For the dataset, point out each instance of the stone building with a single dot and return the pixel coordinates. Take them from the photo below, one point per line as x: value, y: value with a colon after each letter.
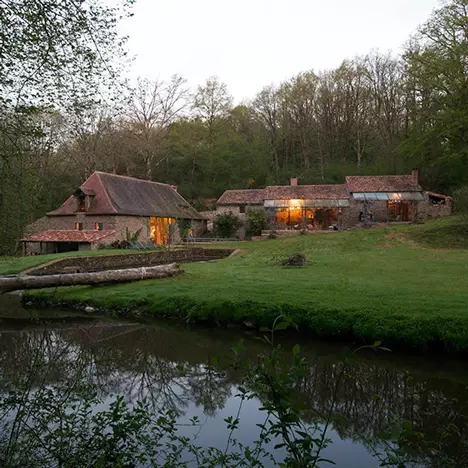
x: 361, y: 200
x: 437, y: 205
x: 105, y: 208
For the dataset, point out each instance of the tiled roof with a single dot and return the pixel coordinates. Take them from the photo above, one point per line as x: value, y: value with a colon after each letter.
x: 124, y: 195
x: 68, y: 236
x: 398, y: 183
x: 306, y: 192
x: 249, y: 196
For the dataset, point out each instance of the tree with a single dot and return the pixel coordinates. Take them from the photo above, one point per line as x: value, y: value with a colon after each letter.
x: 435, y: 60
x: 257, y: 221
x: 227, y: 224
x: 54, y: 50
x: 55, y: 54
x: 155, y: 105
x: 265, y: 105
x: 212, y: 105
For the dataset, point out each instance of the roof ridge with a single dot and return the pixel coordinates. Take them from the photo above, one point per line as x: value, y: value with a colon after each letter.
x: 306, y: 185
x: 243, y: 189
x: 134, y: 178
x: 382, y: 175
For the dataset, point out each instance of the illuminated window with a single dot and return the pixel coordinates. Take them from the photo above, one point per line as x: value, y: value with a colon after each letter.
x: 159, y: 229
x: 78, y: 226
x: 98, y: 226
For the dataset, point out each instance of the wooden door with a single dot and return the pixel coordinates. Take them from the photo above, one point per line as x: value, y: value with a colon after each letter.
x: 404, y: 211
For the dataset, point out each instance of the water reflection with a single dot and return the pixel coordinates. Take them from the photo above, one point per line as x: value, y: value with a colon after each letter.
x: 145, y: 362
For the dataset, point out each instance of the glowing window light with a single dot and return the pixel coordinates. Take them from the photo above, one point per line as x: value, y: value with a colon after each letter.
x: 295, y: 204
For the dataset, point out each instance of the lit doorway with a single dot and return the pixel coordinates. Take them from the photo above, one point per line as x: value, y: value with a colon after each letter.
x: 160, y: 230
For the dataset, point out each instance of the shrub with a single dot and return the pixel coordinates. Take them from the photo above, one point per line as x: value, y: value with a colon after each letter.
x: 227, y: 224
x: 460, y: 198
x: 257, y: 221
x: 130, y: 237
x: 185, y: 226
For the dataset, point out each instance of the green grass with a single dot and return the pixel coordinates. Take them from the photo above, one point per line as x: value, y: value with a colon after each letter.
x: 383, y: 283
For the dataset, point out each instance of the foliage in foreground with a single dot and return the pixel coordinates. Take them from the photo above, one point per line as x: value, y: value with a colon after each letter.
x: 74, y: 424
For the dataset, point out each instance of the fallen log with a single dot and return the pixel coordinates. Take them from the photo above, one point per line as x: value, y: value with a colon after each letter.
x: 14, y: 283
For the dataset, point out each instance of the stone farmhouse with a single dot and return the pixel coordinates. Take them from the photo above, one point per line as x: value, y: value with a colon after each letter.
x: 107, y: 206
x: 362, y: 199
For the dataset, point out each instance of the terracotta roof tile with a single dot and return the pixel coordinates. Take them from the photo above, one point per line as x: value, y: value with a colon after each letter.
x: 397, y: 183
x: 306, y: 192
x: 68, y: 236
x: 249, y: 196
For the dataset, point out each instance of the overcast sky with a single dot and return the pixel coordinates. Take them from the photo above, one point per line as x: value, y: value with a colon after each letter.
x: 251, y: 43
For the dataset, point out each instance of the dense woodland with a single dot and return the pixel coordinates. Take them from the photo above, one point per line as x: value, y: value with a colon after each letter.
x: 65, y: 111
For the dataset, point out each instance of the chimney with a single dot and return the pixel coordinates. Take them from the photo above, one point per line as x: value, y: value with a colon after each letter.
x: 293, y: 181
x: 414, y: 175
x: 174, y: 187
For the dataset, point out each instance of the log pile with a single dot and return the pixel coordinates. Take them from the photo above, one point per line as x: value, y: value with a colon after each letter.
x: 14, y: 283
x: 295, y: 260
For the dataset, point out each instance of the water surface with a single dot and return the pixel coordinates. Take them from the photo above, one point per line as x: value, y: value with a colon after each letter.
x: 143, y: 361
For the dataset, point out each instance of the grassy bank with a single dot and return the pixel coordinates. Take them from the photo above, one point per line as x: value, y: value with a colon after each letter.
x: 387, y: 283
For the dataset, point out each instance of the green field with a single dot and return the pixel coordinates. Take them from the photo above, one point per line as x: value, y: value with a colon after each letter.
x: 392, y: 284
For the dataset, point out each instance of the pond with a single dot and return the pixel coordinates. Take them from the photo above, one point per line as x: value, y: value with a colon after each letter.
x: 144, y: 361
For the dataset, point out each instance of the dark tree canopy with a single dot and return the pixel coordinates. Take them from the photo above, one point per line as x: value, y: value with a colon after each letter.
x: 374, y: 114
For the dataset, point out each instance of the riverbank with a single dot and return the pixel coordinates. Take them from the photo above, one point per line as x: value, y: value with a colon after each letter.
x: 387, y: 284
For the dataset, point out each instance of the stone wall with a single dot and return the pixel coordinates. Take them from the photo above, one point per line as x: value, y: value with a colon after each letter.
x: 122, y: 260
x: 356, y: 207
x: 109, y: 223
x: 199, y: 227
x: 419, y: 212
x: 439, y: 210
x: 379, y: 212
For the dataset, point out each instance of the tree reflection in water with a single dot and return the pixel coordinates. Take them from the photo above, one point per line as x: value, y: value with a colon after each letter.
x: 168, y: 368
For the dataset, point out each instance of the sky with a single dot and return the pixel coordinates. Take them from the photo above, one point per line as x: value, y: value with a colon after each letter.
x: 249, y: 44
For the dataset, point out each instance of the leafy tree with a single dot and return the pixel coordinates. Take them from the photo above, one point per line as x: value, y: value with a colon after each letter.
x: 55, y: 54
x: 257, y: 221
x: 227, y: 224
x: 461, y: 202
x: 435, y: 60
x: 53, y: 49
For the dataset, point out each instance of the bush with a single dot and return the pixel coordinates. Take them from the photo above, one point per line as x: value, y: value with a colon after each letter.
x: 227, y: 224
x: 185, y: 226
x: 257, y: 221
x: 460, y: 199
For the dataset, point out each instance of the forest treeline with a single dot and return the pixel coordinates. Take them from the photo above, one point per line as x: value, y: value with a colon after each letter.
x: 376, y: 114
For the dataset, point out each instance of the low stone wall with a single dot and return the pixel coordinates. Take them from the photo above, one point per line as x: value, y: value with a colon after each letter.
x: 118, y: 261
x: 439, y: 210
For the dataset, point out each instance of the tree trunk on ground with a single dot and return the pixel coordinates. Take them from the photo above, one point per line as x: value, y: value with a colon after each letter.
x: 14, y: 283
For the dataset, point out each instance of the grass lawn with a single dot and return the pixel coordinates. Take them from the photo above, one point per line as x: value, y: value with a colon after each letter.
x: 401, y: 284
